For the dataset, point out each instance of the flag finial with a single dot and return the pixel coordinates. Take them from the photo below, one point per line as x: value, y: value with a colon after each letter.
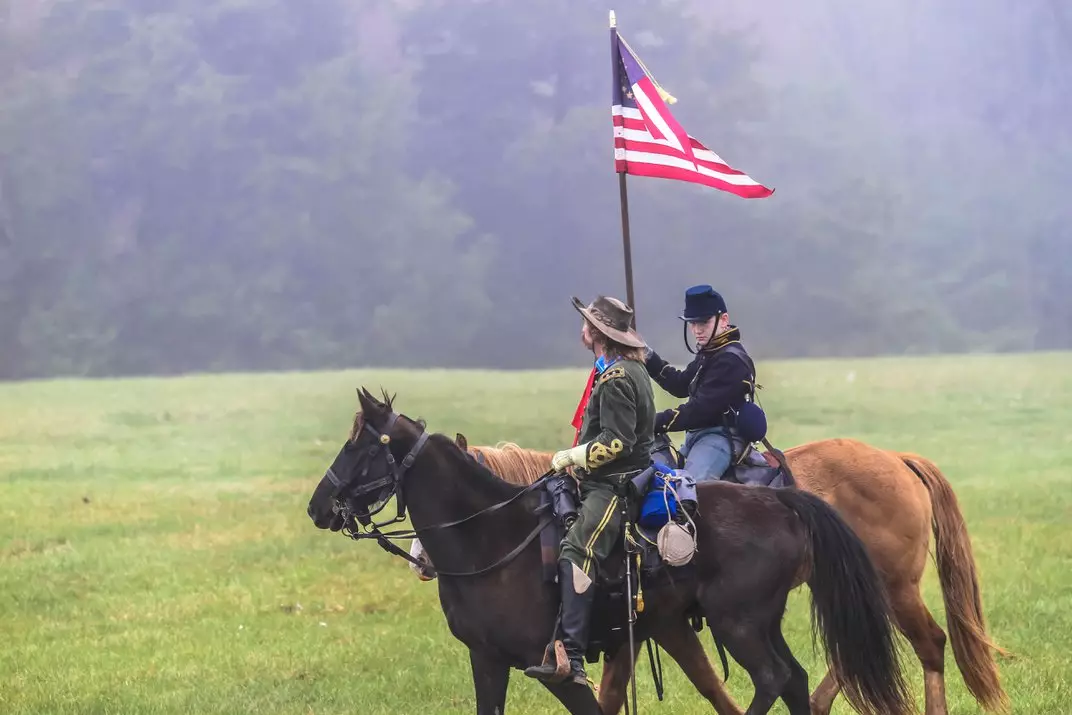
x: 613, y: 20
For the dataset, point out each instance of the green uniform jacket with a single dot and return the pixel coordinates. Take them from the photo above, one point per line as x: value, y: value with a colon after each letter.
x: 619, y: 422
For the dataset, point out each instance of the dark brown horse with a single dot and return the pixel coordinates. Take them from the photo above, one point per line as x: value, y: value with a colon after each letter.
x: 892, y: 500
x: 754, y: 545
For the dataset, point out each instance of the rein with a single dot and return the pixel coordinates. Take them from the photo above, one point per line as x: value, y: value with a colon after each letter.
x: 361, y: 526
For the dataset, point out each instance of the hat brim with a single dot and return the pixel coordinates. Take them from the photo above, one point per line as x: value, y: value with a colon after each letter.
x: 697, y: 318
x: 630, y: 337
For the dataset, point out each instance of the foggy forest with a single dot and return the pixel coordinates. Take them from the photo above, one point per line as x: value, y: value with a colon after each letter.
x: 278, y: 185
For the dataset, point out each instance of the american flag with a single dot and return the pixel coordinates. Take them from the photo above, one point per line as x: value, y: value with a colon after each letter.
x: 648, y: 141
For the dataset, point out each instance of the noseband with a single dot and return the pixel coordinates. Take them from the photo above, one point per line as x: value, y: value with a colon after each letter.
x: 360, y: 526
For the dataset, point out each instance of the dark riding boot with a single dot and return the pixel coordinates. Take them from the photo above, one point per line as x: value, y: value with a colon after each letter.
x: 572, y: 628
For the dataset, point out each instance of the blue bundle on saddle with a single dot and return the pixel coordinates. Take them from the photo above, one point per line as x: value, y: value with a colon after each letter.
x: 660, y: 503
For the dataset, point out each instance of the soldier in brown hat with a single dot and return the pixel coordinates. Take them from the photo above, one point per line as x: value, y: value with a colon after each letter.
x: 615, y: 444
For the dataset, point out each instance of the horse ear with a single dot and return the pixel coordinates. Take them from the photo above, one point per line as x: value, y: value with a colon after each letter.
x: 461, y: 441
x: 367, y: 401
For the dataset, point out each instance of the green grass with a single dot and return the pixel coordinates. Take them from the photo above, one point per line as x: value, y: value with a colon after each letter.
x: 154, y: 546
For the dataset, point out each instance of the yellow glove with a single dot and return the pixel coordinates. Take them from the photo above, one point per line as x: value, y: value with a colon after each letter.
x: 576, y: 457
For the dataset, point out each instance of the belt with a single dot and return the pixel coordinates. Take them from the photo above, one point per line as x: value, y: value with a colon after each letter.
x: 618, y: 481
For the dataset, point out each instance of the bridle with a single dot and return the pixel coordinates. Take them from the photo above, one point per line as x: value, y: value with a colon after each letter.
x: 389, y: 485
x: 360, y: 525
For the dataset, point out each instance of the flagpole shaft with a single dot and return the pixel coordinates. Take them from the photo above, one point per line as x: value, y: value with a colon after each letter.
x: 623, y: 194
x: 627, y: 247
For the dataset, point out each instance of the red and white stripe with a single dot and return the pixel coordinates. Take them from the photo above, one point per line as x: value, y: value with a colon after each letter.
x: 650, y: 142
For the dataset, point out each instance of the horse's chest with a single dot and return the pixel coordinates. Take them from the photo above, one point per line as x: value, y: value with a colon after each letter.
x: 462, y: 621
x: 485, y: 620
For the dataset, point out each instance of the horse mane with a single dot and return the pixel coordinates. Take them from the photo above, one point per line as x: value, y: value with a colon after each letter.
x: 514, y: 464
x: 477, y: 470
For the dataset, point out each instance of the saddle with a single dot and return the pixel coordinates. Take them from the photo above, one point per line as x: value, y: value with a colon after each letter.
x: 754, y: 468
x: 759, y: 469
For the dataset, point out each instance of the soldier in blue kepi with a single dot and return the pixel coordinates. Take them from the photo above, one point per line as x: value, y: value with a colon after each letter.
x: 720, y: 418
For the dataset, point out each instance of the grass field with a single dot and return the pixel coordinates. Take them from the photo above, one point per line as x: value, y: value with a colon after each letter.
x: 155, y: 554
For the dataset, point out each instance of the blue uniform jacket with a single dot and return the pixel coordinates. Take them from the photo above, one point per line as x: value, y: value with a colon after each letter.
x: 716, y: 384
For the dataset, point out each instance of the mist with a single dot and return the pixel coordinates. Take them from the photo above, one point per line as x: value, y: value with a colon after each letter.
x: 271, y: 185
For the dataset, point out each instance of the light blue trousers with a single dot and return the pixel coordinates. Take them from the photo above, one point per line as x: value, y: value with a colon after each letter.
x: 708, y: 452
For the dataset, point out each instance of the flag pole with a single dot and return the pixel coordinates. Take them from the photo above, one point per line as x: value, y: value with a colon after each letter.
x: 623, y: 194
x: 626, y: 247
x: 616, y: 63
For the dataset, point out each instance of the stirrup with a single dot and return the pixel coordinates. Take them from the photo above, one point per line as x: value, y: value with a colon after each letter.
x: 555, y: 666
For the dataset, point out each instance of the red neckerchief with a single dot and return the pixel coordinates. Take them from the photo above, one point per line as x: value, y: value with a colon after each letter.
x: 578, y: 416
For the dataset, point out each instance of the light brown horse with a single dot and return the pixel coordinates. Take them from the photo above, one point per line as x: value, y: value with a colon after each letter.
x: 892, y: 500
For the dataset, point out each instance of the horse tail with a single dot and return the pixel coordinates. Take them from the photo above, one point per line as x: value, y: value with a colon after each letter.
x: 850, y: 609
x: 972, y: 647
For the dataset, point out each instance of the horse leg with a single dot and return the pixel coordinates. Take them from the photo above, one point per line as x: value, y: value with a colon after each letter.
x: 823, y: 697
x: 747, y: 640
x: 927, y: 639
x: 490, y: 678
x: 615, y: 680
x: 795, y: 694
x: 577, y: 699
x: 683, y: 645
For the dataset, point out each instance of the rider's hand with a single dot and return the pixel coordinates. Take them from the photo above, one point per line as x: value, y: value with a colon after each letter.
x: 576, y: 457
x: 663, y: 420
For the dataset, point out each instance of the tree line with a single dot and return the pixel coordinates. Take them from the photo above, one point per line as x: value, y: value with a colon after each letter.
x: 263, y: 184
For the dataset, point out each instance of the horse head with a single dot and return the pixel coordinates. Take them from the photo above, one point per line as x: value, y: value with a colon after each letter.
x: 369, y: 467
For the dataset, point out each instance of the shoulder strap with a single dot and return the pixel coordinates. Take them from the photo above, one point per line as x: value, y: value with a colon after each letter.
x: 614, y: 372
x: 738, y: 351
